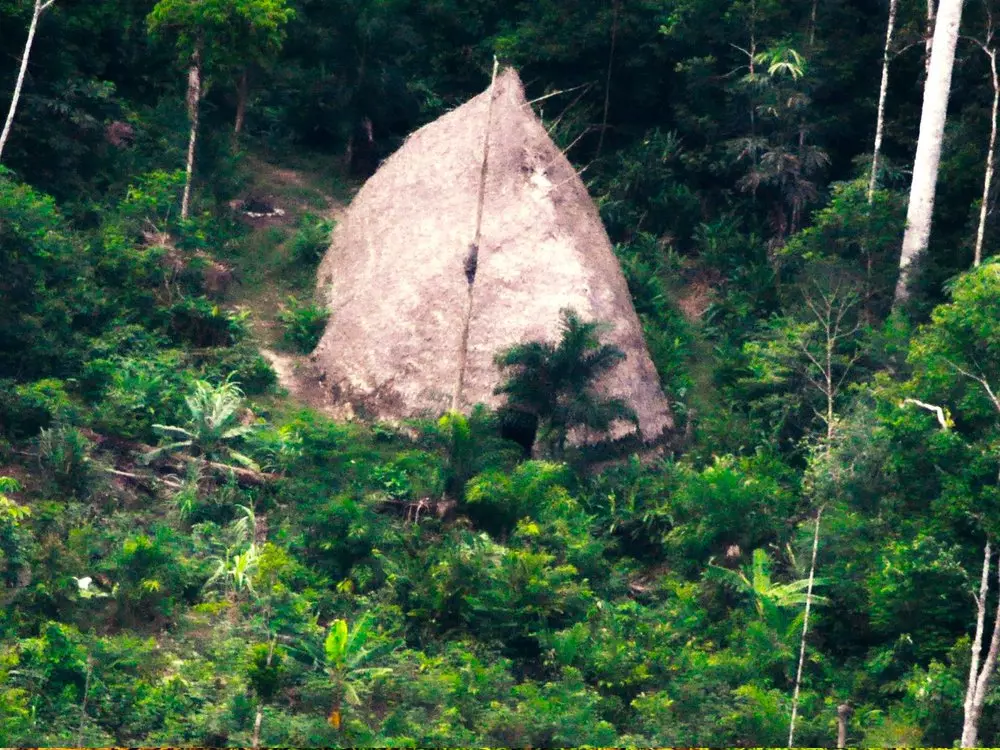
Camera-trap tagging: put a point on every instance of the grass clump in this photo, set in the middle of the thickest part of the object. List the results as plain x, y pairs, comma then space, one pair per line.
311, 240
303, 324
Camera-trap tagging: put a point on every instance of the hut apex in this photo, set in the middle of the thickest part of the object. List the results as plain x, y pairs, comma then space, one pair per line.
472, 237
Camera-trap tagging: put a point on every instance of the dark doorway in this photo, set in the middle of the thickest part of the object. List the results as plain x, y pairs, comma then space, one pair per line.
520, 427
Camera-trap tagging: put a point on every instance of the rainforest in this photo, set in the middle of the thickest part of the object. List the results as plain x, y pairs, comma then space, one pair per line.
475, 373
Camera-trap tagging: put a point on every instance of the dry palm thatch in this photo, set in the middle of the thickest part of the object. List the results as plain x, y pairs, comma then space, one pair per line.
461, 245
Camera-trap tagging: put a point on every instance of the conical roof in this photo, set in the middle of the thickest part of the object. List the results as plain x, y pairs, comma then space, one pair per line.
409, 335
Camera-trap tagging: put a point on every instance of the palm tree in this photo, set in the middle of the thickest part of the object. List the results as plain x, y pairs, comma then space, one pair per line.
781, 159
553, 383
213, 425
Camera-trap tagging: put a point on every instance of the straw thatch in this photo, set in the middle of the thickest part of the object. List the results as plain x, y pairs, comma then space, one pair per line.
407, 326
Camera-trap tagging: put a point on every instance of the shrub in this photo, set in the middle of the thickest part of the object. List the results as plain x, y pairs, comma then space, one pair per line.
200, 322
411, 475
64, 453
150, 575
13, 538
131, 391
24, 409
150, 201
213, 426
47, 295
243, 363
304, 323
311, 240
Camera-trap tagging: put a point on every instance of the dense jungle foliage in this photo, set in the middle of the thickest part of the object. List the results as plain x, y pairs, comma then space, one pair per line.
189, 556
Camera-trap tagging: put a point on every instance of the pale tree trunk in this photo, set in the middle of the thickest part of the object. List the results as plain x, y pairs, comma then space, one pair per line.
805, 632
193, 98
979, 678
40, 8
256, 729
242, 93
83, 705
991, 52
929, 36
882, 94
928, 157
812, 24
844, 712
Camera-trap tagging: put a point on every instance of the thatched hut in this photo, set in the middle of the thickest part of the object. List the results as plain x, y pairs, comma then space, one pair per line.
471, 237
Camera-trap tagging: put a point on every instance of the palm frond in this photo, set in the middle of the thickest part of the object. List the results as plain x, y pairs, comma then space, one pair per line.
166, 429
243, 460
152, 455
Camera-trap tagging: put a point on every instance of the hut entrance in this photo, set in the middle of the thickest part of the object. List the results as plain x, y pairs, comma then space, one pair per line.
520, 427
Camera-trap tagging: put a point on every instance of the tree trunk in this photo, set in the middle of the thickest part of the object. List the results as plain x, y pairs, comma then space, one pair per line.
193, 99
844, 712
979, 679
929, 36
990, 159
607, 82
928, 157
242, 92
83, 705
805, 631
256, 728
39, 8
349, 151
336, 719
812, 25
882, 94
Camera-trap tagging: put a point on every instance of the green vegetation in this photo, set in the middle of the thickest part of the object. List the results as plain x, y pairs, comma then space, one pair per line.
189, 555
311, 240
553, 383
303, 324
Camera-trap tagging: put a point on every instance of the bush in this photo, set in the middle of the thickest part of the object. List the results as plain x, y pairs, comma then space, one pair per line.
132, 392
304, 323
311, 240
200, 322
243, 363
24, 409
151, 577
64, 453
47, 296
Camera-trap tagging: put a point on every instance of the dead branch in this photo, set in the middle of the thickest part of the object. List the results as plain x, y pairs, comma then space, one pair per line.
941, 416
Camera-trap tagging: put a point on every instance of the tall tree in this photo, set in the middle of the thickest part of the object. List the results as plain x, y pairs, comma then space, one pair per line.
882, 94
928, 157
186, 19
929, 35
36, 13
979, 676
252, 36
220, 35
805, 632
988, 46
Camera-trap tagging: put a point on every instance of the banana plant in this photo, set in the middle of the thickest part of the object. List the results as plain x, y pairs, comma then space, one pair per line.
348, 653
235, 569
769, 597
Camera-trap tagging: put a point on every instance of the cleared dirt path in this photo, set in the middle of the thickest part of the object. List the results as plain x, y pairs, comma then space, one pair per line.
268, 271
